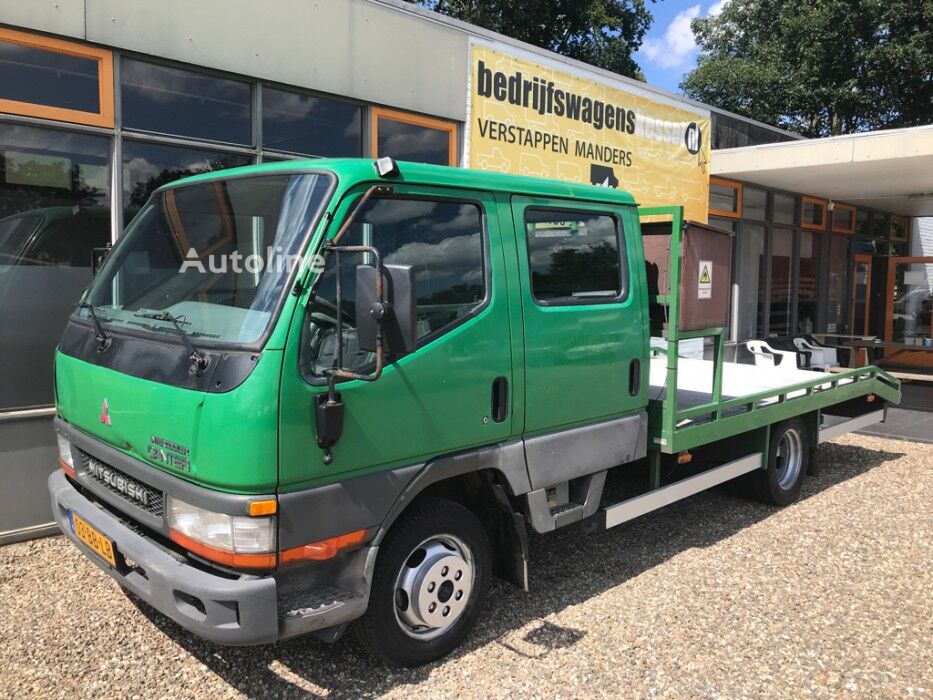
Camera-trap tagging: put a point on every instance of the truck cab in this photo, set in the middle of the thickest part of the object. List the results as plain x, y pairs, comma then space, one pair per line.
302, 395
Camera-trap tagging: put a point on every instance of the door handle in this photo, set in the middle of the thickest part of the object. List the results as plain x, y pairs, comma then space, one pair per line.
634, 377
500, 399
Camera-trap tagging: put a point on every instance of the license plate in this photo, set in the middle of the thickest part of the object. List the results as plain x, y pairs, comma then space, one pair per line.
93, 539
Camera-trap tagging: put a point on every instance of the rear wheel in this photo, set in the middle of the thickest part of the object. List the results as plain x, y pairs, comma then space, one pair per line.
430, 579
788, 456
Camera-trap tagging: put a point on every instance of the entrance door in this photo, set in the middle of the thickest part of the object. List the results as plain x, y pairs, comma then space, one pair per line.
861, 293
584, 325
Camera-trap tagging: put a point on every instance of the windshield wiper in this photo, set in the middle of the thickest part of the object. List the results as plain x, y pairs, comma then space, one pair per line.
103, 340
198, 360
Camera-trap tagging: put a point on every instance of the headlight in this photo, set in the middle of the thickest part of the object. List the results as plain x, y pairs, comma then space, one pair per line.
238, 540
64, 453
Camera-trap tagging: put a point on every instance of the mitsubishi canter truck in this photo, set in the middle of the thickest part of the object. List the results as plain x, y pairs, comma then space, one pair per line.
307, 396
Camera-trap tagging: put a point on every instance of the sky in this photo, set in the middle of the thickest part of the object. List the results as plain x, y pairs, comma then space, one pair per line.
669, 49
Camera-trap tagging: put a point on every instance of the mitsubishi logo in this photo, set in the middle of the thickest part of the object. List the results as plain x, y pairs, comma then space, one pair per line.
104, 413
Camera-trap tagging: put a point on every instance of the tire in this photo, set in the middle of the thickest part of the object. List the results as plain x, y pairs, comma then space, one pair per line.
416, 584
788, 458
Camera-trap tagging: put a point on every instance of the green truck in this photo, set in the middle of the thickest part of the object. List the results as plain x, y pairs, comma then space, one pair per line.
304, 396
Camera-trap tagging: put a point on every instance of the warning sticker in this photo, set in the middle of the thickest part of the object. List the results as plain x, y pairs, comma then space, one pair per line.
705, 280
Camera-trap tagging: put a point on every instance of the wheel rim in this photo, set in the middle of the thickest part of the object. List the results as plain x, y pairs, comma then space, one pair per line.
433, 586
789, 458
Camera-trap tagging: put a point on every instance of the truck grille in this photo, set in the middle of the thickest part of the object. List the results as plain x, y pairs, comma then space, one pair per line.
125, 487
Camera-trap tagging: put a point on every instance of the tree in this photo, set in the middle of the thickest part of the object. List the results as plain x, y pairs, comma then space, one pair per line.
819, 67
604, 33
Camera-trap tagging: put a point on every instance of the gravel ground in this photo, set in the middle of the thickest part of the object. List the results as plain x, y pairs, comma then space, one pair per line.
713, 596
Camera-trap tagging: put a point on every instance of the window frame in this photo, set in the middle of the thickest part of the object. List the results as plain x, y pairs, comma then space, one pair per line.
822, 203
847, 207
348, 204
377, 113
625, 273
104, 117
737, 188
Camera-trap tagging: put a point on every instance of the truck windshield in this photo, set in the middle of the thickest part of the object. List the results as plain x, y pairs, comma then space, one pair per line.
217, 256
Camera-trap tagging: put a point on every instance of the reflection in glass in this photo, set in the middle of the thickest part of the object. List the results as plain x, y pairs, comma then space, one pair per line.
808, 271
573, 257
784, 208
861, 293
442, 240
184, 103
813, 213
148, 166
420, 144
313, 126
748, 283
782, 255
837, 312
54, 210
37, 76
754, 203
913, 302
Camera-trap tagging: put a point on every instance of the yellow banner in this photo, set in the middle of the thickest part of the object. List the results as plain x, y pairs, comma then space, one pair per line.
529, 118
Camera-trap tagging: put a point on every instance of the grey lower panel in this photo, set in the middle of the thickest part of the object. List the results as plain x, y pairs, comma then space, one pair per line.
833, 431
28, 454
568, 454
634, 507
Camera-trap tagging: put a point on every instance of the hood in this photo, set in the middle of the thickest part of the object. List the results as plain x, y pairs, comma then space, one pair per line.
225, 440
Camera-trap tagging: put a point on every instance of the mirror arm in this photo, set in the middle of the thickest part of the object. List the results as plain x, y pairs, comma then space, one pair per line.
351, 219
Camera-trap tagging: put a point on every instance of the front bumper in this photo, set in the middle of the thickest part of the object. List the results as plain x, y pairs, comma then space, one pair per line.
227, 610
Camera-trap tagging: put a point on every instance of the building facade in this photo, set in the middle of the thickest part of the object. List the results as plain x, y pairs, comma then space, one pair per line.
103, 101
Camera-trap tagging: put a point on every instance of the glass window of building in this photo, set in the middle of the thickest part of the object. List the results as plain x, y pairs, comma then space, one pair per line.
55, 79
912, 308
406, 136
863, 222
749, 283
843, 218
725, 198
309, 125
148, 166
808, 277
725, 224
782, 257
899, 228
784, 205
880, 224
754, 203
813, 213
167, 100
54, 210
837, 316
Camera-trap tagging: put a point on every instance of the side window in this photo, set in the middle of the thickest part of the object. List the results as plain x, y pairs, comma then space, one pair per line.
575, 257
441, 239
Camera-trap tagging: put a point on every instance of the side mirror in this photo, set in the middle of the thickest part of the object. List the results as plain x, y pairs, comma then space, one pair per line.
397, 316
98, 256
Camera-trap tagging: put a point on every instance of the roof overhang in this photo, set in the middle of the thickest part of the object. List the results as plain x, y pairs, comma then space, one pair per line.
887, 170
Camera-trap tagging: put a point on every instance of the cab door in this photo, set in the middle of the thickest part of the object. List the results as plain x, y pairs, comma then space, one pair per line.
440, 399
585, 332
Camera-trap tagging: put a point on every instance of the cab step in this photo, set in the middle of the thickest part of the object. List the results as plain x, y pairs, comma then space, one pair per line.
305, 604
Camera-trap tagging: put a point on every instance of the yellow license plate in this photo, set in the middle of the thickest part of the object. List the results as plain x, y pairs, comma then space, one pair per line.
93, 539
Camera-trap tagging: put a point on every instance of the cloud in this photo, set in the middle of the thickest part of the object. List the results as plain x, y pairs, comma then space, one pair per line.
677, 46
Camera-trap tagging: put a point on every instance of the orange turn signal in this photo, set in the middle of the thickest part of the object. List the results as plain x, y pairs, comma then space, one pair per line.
268, 507
870, 398
68, 470
222, 556
322, 550
684, 458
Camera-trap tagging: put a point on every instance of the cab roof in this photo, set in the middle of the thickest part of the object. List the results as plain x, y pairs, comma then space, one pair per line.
353, 171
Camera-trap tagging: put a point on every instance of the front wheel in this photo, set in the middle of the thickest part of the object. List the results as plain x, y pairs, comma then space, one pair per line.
788, 457
429, 583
